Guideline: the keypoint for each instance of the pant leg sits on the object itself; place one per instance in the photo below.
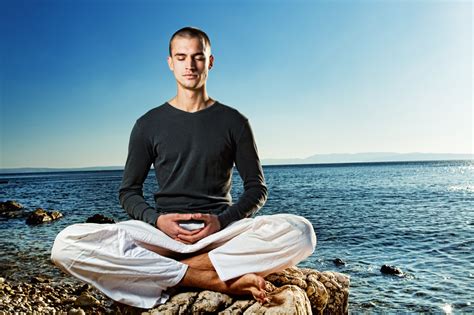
(272, 243)
(110, 258)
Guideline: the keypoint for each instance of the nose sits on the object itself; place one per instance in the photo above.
(190, 63)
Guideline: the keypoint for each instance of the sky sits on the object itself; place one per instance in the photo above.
(313, 77)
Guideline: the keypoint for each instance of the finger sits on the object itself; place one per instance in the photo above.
(186, 239)
(182, 231)
(193, 238)
(182, 216)
(202, 217)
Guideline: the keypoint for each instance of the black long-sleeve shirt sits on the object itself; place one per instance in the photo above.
(193, 155)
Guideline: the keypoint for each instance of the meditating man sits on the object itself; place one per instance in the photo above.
(194, 236)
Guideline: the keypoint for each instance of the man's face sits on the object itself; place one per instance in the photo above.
(190, 62)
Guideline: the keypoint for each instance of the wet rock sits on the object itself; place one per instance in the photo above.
(286, 300)
(339, 262)
(56, 215)
(99, 218)
(41, 216)
(391, 270)
(11, 209)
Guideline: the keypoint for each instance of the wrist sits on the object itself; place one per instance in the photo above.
(157, 222)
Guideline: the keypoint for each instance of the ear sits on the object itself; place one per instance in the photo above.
(170, 63)
(211, 61)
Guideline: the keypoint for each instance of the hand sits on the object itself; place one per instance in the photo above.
(169, 224)
(211, 225)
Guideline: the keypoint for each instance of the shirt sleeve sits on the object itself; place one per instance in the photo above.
(137, 166)
(250, 170)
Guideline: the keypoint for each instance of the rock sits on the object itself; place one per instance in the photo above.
(10, 205)
(337, 286)
(56, 215)
(210, 302)
(339, 262)
(78, 311)
(11, 209)
(290, 275)
(286, 300)
(85, 288)
(337, 289)
(391, 270)
(237, 308)
(86, 299)
(294, 291)
(178, 304)
(39, 280)
(99, 218)
(41, 216)
(317, 294)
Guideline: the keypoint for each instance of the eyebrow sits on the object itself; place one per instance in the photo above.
(196, 54)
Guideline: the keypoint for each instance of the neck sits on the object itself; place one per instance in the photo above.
(191, 100)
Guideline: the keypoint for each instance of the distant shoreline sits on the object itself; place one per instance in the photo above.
(33, 171)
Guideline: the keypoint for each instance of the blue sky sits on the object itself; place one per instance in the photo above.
(313, 77)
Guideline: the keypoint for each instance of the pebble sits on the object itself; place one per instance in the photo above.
(86, 300)
(47, 297)
(78, 311)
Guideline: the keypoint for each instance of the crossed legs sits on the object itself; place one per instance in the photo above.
(128, 261)
(201, 274)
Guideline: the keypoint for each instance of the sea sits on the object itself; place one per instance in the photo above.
(417, 216)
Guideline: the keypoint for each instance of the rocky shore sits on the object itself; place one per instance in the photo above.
(292, 291)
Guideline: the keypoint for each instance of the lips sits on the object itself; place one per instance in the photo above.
(190, 76)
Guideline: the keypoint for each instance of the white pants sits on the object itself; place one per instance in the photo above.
(131, 262)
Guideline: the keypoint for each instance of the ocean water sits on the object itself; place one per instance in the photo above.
(418, 216)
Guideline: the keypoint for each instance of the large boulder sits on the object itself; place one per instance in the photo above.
(291, 291)
(286, 300)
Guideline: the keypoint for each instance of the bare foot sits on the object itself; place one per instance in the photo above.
(248, 284)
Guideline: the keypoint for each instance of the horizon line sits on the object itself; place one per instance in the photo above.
(24, 170)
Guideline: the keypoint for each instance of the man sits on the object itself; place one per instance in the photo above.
(195, 236)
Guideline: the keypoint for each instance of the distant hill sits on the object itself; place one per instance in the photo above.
(369, 157)
(47, 169)
(314, 159)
